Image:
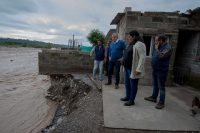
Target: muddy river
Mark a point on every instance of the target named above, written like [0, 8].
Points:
[23, 107]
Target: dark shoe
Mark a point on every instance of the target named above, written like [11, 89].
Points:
[109, 83]
[150, 99]
[160, 105]
[124, 99]
[116, 86]
[129, 103]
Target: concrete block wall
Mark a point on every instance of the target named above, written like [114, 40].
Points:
[64, 61]
[161, 20]
[121, 29]
[189, 42]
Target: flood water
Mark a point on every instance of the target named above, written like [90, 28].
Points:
[23, 107]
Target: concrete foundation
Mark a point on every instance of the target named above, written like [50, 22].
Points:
[143, 117]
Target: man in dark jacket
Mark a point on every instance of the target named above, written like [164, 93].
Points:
[160, 65]
[99, 59]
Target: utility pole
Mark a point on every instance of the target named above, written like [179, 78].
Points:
[73, 42]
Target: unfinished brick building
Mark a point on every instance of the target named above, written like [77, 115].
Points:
[183, 32]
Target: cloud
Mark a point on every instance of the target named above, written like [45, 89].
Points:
[57, 20]
[17, 6]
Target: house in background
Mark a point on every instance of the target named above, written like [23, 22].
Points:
[183, 32]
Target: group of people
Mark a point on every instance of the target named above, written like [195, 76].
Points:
[132, 57]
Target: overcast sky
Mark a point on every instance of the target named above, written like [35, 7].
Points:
[57, 20]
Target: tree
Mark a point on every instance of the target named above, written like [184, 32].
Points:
[96, 35]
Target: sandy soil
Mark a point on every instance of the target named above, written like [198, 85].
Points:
[23, 106]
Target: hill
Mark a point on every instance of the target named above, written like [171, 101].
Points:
[28, 43]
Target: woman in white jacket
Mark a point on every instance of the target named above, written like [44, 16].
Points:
[137, 68]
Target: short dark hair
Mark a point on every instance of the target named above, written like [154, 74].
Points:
[134, 33]
[162, 37]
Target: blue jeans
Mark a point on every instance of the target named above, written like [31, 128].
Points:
[159, 79]
[98, 64]
[131, 85]
[117, 65]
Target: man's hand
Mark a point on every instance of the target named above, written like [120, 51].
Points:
[157, 46]
[137, 73]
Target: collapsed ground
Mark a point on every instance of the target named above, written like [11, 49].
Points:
[80, 106]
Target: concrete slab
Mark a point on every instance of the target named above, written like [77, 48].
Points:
[176, 115]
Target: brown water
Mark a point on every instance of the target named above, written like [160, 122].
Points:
[23, 107]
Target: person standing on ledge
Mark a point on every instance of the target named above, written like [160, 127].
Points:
[115, 58]
[160, 65]
[134, 64]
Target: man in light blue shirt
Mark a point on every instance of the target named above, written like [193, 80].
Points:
[115, 58]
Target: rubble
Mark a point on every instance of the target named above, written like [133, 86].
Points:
[66, 90]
